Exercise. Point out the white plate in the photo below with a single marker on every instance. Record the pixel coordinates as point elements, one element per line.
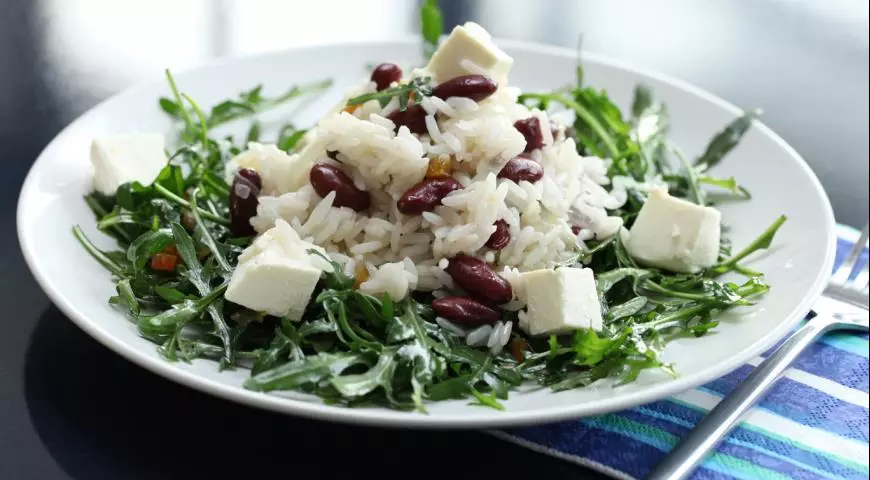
<point>797,265</point>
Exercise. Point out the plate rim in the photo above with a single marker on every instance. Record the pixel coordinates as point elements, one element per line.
<point>398,419</point>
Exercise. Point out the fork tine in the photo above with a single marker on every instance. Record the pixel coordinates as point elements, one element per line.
<point>850,263</point>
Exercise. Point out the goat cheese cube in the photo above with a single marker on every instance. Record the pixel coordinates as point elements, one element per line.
<point>276,274</point>
<point>118,159</point>
<point>469,50</point>
<point>560,300</point>
<point>674,234</point>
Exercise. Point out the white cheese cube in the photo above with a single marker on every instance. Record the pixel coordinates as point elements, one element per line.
<point>469,50</point>
<point>279,172</point>
<point>674,234</point>
<point>276,274</point>
<point>560,300</point>
<point>118,159</point>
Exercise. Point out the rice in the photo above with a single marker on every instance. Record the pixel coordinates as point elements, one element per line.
<point>461,103</point>
<point>451,327</point>
<point>499,337</point>
<point>279,171</point>
<point>404,253</point>
<point>479,336</point>
<point>366,247</point>
<point>386,160</point>
<point>396,278</point>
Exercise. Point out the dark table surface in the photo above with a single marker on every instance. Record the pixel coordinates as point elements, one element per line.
<point>71,409</point>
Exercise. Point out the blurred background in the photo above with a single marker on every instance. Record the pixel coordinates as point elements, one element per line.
<point>804,62</point>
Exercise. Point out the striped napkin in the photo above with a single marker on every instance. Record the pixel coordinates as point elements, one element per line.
<point>812,424</point>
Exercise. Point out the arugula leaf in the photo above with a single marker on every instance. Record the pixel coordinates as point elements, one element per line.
<point>165,193</point>
<point>144,247</point>
<point>649,128</point>
<point>203,124</point>
<point>289,137</point>
<point>253,132</point>
<point>420,87</point>
<point>461,385</point>
<point>762,242</point>
<point>643,100</point>
<point>715,294</point>
<point>431,26</point>
<point>168,321</point>
<point>486,400</point>
<point>366,304</point>
<point>98,254</point>
<point>725,140</point>
<point>307,372</point>
<point>424,367</point>
<point>207,237</point>
<point>379,375</point>
<point>599,141</point>
<point>729,184</point>
<point>607,280</point>
<point>171,108</point>
<point>249,103</point>
<point>696,194</point>
<point>125,293</point>
<point>336,311</point>
<point>279,349</point>
<point>590,349</point>
<point>252,102</point>
<point>169,294</point>
<point>334,279</point>
<point>180,111</point>
<point>627,309</point>
<point>196,275</point>
<point>387,306</point>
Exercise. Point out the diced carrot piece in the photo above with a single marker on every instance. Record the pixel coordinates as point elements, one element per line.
<point>517,348</point>
<point>351,108</point>
<point>164,262</point>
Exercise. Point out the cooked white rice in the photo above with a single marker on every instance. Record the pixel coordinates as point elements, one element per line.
<point>402,253</point>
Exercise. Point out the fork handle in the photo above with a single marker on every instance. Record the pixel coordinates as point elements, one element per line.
<point>693,448</point>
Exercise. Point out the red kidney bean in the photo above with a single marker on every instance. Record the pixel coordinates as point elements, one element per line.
<point>414,117</point>
<point>531,130</point>
<point>465,311</point>
<point>426,195</point>
<point>328,178</point>
<point>252,176</point>
<point>475,87</point>
<point>243,201</point>
<point>575,229</point>
<point>500,237</point>
<point>479,279</point>
<point>522,168</point>
<point>385,74</point>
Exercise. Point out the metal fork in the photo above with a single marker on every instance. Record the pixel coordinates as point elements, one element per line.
<point>848,284</point>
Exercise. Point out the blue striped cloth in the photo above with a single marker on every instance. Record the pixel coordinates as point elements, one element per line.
<point>813,424</point>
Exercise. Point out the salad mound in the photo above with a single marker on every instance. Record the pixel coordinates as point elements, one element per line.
<point>439,234</point>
